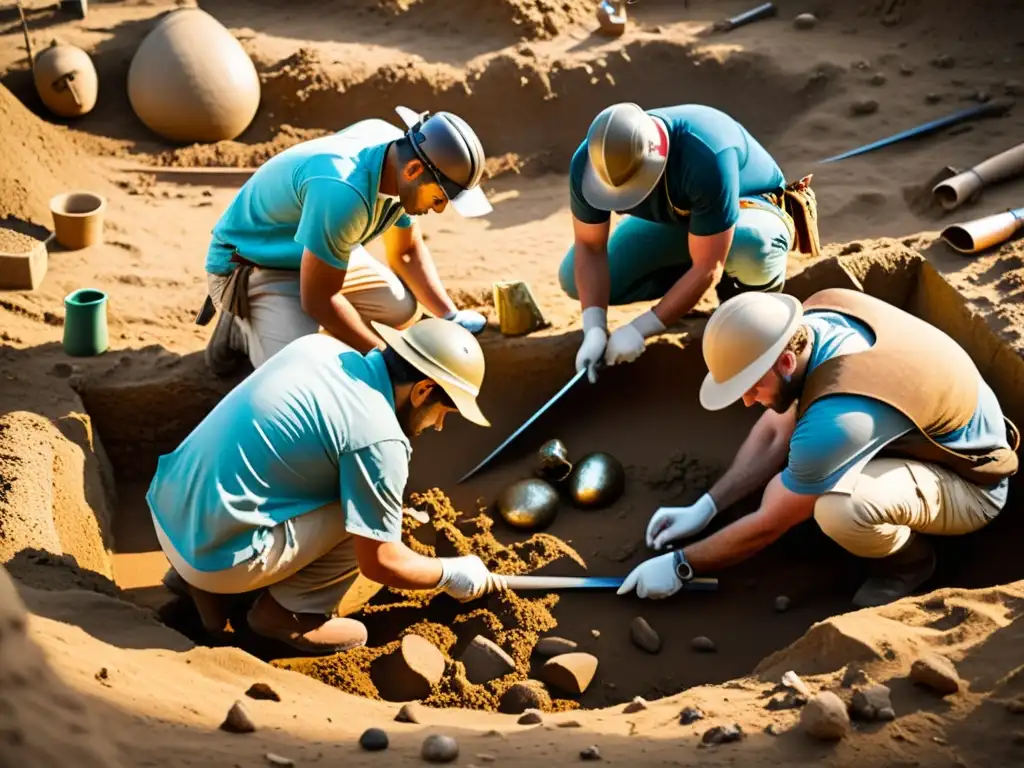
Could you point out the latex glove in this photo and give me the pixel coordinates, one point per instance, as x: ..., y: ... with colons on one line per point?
x: 655, y: 578
x: 671, y: 523
x: 466, y: 578
x: 627, y: 343
x: 595, y: 336
x: 472, y: 321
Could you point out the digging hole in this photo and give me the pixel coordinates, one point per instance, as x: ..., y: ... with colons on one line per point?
x: 647, y: 415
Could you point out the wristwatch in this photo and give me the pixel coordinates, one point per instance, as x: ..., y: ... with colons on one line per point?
x: 683, y: 568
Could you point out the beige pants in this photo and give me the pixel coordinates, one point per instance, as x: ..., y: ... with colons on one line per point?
x: 275, y: 310
x: 309, y: 568
x: 892, y: 498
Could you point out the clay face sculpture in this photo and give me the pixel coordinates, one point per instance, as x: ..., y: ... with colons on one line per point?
x: 553, y: 461
x: 597, y: 480
x: 66, y: 80
x: 528, y: 504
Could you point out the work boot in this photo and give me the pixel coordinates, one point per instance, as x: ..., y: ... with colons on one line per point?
x: 898, y: 575
x: 311, y: 633
x: 214, y: 610
x: 222, y: 356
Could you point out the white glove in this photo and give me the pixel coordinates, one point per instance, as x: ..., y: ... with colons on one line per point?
x: 595, y: 336
x: 655, y: 578
x: 627, y: 343
x: 472, y: 321
x: 466, y: 578
x: 671, y: 523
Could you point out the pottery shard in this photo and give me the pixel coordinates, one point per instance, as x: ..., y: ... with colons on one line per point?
x: 570, y: 672
x: 644, y: 636
x: 937, y: 673
x: 554, y: 646
x: 263, y: 692
x: 409, y: 672
x: 529, y: 694
x: 485, y: 661
x: 825, y: 717
x: 872, y: 703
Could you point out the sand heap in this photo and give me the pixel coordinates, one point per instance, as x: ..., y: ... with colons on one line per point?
x: 527, y: 19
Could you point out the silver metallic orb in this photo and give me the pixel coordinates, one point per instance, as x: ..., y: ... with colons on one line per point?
x: 528, y: 504
x: 553, y: 461
x: 596, y: 481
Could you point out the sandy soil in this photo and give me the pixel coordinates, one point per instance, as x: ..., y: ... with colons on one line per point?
x: 93, y: 673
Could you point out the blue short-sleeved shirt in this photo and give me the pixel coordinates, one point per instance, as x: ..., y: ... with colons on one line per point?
x: 314, y: 425
x: 322, y: 194
x: 839, y: 431
x: 712, y: 162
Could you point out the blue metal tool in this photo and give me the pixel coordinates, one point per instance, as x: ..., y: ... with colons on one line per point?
x: 700, y: 584
x: 762, y: 11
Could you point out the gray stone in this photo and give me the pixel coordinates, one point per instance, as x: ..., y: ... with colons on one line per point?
x: 644, y: 636
x: 373, y: 740
x: 238, y: 720
x: 864, y: 107
x: 872, y: 703
x: 825, y: 717
x: 531, y: 717
x: 933, y: 98
x: 485, y: 661
x: 937, y: 673
x: 703, y: 644
x: 722, y: 734
x: 690, y: 715
x: 782, y: 604
x: 438, y: 748
x: 805, y: 21
x: 590, y: 753
x: 554, y: 646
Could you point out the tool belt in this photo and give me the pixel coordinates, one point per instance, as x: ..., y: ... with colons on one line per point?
x: 235, y: 299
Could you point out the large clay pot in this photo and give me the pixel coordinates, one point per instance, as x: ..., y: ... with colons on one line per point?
x: 66, y: 80
x: 191, y: 80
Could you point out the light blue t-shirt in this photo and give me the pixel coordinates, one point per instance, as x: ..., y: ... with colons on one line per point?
x: 838, y: 431
x: 313, y: 425
x: 322, y: 194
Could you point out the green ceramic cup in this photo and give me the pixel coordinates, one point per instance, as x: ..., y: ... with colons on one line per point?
x: 85, y: 323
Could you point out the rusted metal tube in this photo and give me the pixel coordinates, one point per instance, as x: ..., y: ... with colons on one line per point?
x: 977, y: 235
x: 958, y: 189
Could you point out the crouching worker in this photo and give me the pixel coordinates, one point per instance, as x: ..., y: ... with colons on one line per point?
x: 293, y: 484
x: 880, y: 427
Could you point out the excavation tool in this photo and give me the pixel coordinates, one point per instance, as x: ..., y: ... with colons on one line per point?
x: 763, y: 11
x: 992, y: 109
x: 572, y: 382
x: 703, y: 584
x: 963, y: 186
x: 986, y: 232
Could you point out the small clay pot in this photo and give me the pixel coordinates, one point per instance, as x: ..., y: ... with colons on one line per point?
x: 597, y: 480
x: 528, y: 504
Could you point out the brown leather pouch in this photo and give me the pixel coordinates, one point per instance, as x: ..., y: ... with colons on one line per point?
x: 802, y: 205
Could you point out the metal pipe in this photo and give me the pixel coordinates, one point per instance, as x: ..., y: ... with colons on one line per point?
x: 762, y: 11
x: 700, y: 584
x: 955, y: 191
x: 977, y: 235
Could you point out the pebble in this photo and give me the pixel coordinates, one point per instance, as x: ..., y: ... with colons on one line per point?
x: 62, y: 370
x: 788, y: 700
x: 982, y: 97
x: 944, y: 61
x: 238, y: 720
x: 439, y: 749
x: 554, y: 646
x: 805, y: 21
x: 703, y: 644
x: 485, y: 661
x: 595, y: 632
x: 644, y: 636
x: 531, y: 717
x: 263, y: 692
x: 590, y: 753
x: 825, y: 717
x: 690, y: 715
x: 782, y: 604
x: 878, y: 79
x: 872, y: 703
x: 933, y: 98
x: 571, y: 673
x: 530, y: 694
x: 284, y: 762
x: 864, y: 107
x: 638, y: 704
x: 570, y: 724
x: 722, y: 734
x: 772, y: 729
x: 373, y: 740
x: 410, y: 713
x: 906, y: 70
x: 937, y: 673
x: 486, y: 757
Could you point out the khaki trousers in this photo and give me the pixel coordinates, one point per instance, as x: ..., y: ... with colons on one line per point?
x: 892, y: 498
x: 276, y: 317
x: 310, y: 566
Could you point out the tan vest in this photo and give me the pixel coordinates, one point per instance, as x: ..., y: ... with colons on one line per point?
x: 918, y: 370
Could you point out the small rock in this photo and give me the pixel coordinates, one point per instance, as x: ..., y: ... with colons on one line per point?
x: 937, y: 673
x: 933, y: 98
x: 238, y: 720
x: 485, y: 661
x: 410, y: 713
x: 486, y: 757
x: 906, y: 70
x: 531, y: 717
x: 864, y: 107
x: 373, y: 740
x: 722, y: 734
x: 595, y: 632
x: 439, y: 749
x: 571, y: 673
x: 570, y: 724
x: 854, y: 675
x: 805, y: 21
x: 62, y: 370
x: 944, y: 61
x: 825, y: 717
x: 690, y: 715
x: 638, y: 704
x: 878, y: 79
x: 861, y: 64
x: 644, y: 636
x: 284, y: 762
x: 872, y: 703
x: 103, y: 674
x: 554, y: 646
x: 411, y: 671
x: 703, y: 644
x: 263, y: 692
x: 1016, y: 707
x: 590, y: 753
x: 772, y: 729
x: 788, y: 700
x: 982, y: 97
x: 782, y: 604
x: 529, y: 694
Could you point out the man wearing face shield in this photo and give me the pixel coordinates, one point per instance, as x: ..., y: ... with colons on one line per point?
x: 292, y: 486
x: 287, y: 257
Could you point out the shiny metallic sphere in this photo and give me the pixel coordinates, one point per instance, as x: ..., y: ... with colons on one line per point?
x: 528, y: 504
x: 597, y: 480
x: 553, y: 461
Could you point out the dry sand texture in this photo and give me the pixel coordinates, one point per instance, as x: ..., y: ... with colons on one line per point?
x: 90, y: 674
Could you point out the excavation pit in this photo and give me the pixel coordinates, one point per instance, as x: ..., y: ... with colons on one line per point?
x: 647, y: 415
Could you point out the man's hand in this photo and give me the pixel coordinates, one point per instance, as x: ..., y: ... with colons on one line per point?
x: 627, y: 343
x: 655, y: 578
x: 466, y: 578
x: 595, y: 337
x: 669, y: 524
x: 472, y: 321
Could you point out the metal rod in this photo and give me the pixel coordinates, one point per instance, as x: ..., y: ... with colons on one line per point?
x: 28, y: 43
x: 595, y: 582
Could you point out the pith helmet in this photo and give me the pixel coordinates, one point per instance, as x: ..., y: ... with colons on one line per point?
x: 627, y: 150
x: 451, y: 150
x: 742, y: 340
x: 445, y: 353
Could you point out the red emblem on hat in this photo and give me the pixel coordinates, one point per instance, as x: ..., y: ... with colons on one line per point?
x: 660, y: 148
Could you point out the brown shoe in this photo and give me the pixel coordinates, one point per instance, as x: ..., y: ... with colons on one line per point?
x: 214, y: 610
x: 312, y: 633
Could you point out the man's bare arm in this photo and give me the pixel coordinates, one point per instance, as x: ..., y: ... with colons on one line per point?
x: 708, y: 254
x: 761, y: 455
x: 590, y: 263
x: 320, y: 287
x: 408, y: 255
